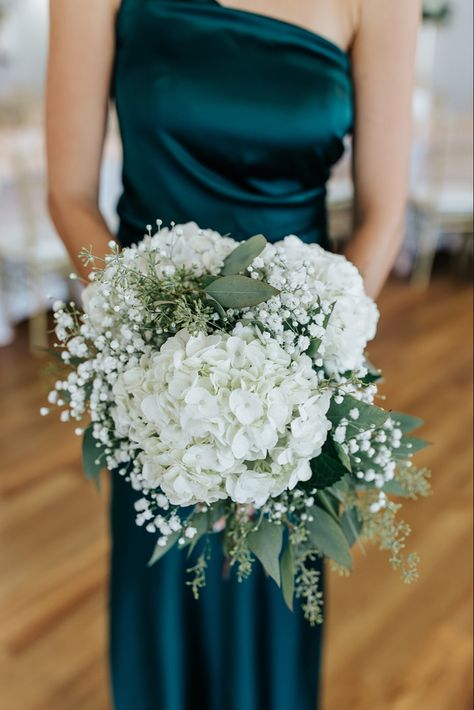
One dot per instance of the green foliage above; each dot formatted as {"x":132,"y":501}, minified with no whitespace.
{"x":384,"y":530}
{"x":314,"y":346}
{"x":161,"y":550}
{"x":373,"y":375}
{"x":198,"y":574}
{"x":326,"y":471}
{"x":406,"y":422}
{"x":216,"y":511}
{"x":307,"y":589}
{"x":243,"y":255}
{"x":409,"y":446}
{"x":410,"y":482}
{"x":193,"y":313}
{"x":287,"y":573}
{"x":315,"y":343}
{"x":330,"y":466}
{"x":266,"y":543}
{"x":200,"y":521}
{"x":351,"y":525}
{"x":218,"y":308}
{"x":395,"y":488}
{"x":93,"y":456}
{"x":326,"y":535}
{"x":238,"y":526}
{"x":208,"y":279}
{"x":369,"y":414}
{"x":239,"y":291}
{"x":342,"y":455}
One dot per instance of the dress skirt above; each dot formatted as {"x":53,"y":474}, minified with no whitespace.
{"x":236,"y":648}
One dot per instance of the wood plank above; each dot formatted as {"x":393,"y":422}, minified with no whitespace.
{"x":388,"y":646}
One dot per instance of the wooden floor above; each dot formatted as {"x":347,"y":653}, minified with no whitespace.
{"x":388,"y":646}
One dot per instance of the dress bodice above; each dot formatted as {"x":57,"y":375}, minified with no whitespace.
{"x":228,"y":118}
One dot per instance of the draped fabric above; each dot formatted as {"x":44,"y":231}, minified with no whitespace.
{"x":233,"y":120}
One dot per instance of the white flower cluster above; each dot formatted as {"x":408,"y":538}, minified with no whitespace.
{"x":202,"y":418}
{"x":371,"y":451}
{"x":201,"y":250}
{"x":322,"y":297}
{"x":122,"y":309}
{"x":226,"y":415}
{"x":214,"y":414}
{"x":117,"y":325}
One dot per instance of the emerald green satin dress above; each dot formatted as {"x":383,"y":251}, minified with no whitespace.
{"x":233,"y":120}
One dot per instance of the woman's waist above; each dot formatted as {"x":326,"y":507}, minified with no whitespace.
{"x":238,"y":218}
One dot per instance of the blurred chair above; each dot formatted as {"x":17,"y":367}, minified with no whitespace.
{"x":28,"y":243}
{"x":441,"y":199}
{"x":441,"y":196}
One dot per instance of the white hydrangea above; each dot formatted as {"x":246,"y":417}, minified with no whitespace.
{"x":308,"y":275}
{"x":222,"y":415}
{"x":202,"y":250}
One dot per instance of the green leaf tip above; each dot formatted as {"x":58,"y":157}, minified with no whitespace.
{"x":239,"y":291}
{"x":243,"y":255}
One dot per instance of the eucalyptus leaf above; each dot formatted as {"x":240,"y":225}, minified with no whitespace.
{"x":351,"y":525}
{"x":342,"y":455}
{"x":243,"y":255}
{"x":201,"y":522}
{"x":216,"y":512}
{"x":406,"y":422}
{"x":313,"y":348}
{"x":329,"y":502}
{"x":218,"y":307}
{"x":328,"y":538}
{"x":334,"y":449}
{"x":239,"y":291}
{"x":161,"y":550}
{"x":287,"y":571}
{"x":369,"y":414}
{"x":93,"y":455}
{"x":409,"y":446}
{"x":342,"y":486}
{"x":326,"y":471}
{"x":266,"y":543}
{"x":208,"y":279}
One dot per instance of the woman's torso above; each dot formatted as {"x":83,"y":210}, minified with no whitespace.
{"x":228,"y":118}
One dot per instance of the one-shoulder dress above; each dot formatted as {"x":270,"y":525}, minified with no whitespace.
{"x":233,"y":120}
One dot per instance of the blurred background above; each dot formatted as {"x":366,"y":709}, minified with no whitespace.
{"x":389,"y":647}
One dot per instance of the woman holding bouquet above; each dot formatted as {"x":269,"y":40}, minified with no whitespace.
{"x":232,"y":115}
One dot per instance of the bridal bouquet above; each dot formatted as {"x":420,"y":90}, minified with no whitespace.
{"x":227,"y":383}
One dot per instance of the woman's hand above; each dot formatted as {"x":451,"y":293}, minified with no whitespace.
{"x":383,"y":59}
{"x":82,"y":40}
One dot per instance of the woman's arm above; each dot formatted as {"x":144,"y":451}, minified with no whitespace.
{"x":79,"y":71}
{"x":383,"y":56}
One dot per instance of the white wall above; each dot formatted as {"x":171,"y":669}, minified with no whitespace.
{"x":454,"y":57}
{"x":23,"y":47}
